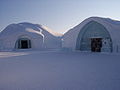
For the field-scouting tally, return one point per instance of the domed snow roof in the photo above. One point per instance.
(110, 25)
(39, 27)
(107, 22)
(14, 29)
(27, 27)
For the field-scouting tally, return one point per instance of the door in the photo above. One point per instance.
(24, 44)
(96, 44)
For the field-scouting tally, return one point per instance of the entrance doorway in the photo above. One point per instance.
(96, 44)
(24, 44)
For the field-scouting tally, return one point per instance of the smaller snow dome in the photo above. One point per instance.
(21, 36)
(94, 34)
(28, 36)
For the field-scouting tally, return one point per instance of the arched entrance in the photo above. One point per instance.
(94, 37)
(23, 43)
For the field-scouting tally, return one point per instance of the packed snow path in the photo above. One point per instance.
(57, 70)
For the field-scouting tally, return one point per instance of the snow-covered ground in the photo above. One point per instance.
(58, 70)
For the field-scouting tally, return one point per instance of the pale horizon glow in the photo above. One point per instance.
(58, 15)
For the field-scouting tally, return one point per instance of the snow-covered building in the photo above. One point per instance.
(28, 36)
(94, 34)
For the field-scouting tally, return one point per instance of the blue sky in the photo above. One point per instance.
(59, 15)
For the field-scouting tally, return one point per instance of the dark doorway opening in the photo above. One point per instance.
(96, 44)
(24, 44)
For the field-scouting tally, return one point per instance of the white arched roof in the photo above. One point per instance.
(14, 30)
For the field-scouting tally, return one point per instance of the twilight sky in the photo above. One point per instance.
(59, 15)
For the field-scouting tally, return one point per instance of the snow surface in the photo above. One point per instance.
(58, 70)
